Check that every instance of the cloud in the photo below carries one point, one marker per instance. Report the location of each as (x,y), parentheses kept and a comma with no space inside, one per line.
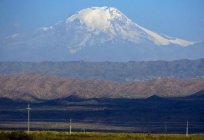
(46,28)
(16,25)
(13,36)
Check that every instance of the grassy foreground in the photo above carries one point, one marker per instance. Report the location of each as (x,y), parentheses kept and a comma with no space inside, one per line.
(50,135)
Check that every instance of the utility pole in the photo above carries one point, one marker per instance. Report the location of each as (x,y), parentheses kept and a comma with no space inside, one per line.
(165,127)
(187,128)
(28,108)
(70,126)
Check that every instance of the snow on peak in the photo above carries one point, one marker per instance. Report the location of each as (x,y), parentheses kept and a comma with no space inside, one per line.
(96,18)
(113,22)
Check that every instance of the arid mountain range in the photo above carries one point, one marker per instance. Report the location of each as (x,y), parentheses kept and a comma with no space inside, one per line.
(38,86)
(114,71)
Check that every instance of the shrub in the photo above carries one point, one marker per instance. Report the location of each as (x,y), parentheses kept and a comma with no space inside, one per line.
(20,135)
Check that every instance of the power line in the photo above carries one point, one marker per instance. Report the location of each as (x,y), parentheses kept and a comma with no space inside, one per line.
(165,127)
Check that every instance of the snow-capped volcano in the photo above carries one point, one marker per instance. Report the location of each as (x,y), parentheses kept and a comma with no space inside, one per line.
(115,24)
(97,34)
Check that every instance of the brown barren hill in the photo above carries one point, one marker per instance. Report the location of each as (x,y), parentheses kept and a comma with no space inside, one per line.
(31,86)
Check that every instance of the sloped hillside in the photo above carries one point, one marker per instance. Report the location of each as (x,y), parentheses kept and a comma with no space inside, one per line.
(35,86)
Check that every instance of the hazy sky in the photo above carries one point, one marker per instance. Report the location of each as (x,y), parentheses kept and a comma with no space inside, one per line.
(178,18)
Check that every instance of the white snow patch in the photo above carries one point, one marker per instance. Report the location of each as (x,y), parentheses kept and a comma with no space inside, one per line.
(95,18)
(182,42)
(159,40)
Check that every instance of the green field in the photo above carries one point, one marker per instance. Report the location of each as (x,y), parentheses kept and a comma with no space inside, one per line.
(51,135)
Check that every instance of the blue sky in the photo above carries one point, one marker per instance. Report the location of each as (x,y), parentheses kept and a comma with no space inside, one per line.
(178,18)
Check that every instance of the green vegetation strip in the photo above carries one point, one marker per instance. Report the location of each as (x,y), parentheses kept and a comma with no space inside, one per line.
(51,135)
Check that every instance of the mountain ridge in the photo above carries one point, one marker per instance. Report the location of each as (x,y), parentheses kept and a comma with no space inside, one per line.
(45,86)
(114,71)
